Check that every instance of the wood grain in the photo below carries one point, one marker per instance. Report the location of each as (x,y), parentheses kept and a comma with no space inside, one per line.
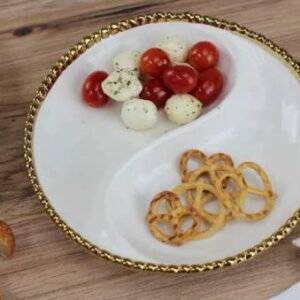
(47,265)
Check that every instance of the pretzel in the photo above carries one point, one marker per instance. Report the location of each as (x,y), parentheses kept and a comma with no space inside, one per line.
(189,189)
(207,174)
(211,181)
(230,198)
(211,171)
(207,197)
(214,221)
(203,159)
(267,193)
(220,158)
(175,216)
(170,200)
(201,194)
(186,156)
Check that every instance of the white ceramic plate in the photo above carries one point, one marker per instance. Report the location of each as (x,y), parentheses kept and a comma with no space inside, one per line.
(100,177)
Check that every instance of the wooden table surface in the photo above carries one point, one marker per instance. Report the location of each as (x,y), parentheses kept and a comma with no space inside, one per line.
(48,265)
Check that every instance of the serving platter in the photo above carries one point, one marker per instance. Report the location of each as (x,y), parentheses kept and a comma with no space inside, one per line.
(96,178)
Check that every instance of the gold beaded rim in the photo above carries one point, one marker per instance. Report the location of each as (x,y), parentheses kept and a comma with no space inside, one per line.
(80,48)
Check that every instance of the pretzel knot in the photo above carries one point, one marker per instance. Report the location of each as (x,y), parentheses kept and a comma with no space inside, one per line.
(202,160)
(210,174)
(215,179)
(267,193)
(213,221)
(175,214)
(187,156)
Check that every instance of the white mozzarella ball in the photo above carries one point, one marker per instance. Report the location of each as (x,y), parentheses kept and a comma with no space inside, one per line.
(175,47)
(139,114)
(122,86)
(127,60)
(183,108)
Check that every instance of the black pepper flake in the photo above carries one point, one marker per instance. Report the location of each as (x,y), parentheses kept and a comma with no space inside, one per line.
(128,82)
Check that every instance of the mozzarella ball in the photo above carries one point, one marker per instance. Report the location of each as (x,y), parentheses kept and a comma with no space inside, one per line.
(139,114)
(175,47)
(122,86)
(183,108)
(127,60)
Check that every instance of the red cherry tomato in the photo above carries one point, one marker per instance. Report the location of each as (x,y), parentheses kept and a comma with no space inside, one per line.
(92,92)
(154,62)
(180,79)
(154,90)
(209,87)
(203,55)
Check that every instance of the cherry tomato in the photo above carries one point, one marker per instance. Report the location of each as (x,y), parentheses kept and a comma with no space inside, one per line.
(203,55)
(154,90)
(209,87)
(92,92)
(154,62)
(180,79)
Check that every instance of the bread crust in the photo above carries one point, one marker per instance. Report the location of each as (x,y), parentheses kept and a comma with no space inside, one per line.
(7,240)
